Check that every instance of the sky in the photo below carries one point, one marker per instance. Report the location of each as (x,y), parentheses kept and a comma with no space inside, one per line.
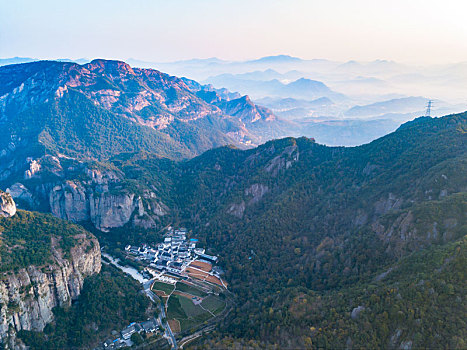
(409,31)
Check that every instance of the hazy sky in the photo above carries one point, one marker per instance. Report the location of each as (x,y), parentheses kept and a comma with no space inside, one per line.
(429,31)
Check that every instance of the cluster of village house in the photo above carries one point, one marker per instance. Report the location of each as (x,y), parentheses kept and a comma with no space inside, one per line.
(170,257)
(173,255)
(149,327)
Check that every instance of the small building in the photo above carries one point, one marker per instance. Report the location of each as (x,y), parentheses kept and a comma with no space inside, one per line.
(199,251)
(166,256)
(175,267)
(218,270)
(128,331)
(209,258)
(138,328)
(161,263)
(149,326)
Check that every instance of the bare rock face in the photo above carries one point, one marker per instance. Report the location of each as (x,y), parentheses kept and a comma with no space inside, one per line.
(285,160)
(29,295)
(356,312)
(257,191)
(109,211)
(385,205)
(89,194)
(105,209)
(19,192)
(7,205)
(237,209)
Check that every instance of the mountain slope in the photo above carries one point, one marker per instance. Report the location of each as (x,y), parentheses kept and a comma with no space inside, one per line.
(294,214)
(104,108)
(44,262)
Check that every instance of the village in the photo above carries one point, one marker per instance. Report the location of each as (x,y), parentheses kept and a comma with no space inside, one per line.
(176,257)
(182,279)
(124,338)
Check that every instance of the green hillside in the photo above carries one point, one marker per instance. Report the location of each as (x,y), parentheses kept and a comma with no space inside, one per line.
(26,239)
(326,221)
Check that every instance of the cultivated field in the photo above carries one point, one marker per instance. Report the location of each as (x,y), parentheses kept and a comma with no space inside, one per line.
(202,265)
(181,306)
(163,287)
(175,326)
(213,304)
(183,287)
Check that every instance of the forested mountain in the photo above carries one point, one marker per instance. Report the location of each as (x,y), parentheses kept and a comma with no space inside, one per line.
(333,246)
(103,108)
(328,246)
(306,230)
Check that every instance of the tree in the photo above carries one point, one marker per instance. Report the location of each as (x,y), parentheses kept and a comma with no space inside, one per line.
(137,338)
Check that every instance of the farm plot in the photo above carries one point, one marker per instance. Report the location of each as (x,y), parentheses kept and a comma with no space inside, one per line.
(175,326)
(202,265)
(186,312)
(189,289)
(214,304)
(163,287)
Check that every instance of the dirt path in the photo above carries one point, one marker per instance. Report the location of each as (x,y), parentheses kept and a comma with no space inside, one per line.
(206,310)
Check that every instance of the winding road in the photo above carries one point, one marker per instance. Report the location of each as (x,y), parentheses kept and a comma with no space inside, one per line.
(147,284)
(162,318)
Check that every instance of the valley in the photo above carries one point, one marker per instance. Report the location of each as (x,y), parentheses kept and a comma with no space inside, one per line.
(233,175)
(181,280)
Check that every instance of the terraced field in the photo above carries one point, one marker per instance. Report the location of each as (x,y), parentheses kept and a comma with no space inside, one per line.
(163,287)
(186,288)
(214,304)
(182,308)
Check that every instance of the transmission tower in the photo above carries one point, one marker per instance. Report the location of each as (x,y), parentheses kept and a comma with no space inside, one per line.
(428,108)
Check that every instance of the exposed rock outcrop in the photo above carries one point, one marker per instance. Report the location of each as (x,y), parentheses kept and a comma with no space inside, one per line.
(285,160)
(356,312)
(29,295)
(237,209)
(19,192)
(105,209)
(257,191)
(7,205)
(80,193)
(109,211)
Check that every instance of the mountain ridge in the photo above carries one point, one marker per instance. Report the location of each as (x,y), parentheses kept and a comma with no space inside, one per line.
(149,103)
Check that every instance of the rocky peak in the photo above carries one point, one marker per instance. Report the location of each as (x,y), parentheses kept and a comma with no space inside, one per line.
(109,67)
(244,109)
(7,205)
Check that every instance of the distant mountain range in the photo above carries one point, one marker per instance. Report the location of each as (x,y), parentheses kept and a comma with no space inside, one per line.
(307,97)
(399,105)
(301,88)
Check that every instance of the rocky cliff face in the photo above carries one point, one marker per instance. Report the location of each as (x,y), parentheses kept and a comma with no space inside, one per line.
(28,296)
(7,205)
(106,209)
(79,193)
